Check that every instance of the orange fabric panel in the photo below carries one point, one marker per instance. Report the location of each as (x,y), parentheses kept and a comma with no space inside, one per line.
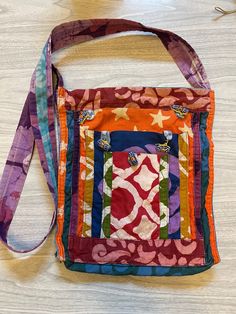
(61,182)
(129,119)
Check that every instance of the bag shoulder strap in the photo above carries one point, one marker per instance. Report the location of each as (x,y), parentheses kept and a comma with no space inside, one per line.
(38,121)
(182,53)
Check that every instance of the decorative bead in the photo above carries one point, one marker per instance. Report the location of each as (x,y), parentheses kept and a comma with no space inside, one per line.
(104,141)
(168,135)
(132,159)
(180,111)
(85,115)
(165,148)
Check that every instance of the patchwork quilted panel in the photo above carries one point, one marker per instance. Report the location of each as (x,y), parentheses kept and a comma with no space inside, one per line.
(142,202)
(138,188)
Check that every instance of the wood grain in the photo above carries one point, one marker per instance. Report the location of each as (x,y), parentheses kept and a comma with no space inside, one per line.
(37,282)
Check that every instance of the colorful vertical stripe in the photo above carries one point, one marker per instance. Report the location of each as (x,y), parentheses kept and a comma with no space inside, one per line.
(164,190)
(197,174)
(184,204)
(69,167)
(107,189)
(61,183)
(42,114)
(174,199)
(82,174)
(191,188)
(89,182)
(98,187)
(75,177)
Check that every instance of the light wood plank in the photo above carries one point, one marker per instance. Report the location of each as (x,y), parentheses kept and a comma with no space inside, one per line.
(38,283)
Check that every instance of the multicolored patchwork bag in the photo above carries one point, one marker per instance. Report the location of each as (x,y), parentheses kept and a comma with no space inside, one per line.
(130,169)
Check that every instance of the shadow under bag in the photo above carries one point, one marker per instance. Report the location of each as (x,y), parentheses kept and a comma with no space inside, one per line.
(130,169)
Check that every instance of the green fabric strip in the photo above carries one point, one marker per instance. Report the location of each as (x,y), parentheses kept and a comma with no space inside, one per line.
(107,190)
(164,192)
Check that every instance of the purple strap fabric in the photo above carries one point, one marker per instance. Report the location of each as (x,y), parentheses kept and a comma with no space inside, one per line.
(183,54)
(29,130)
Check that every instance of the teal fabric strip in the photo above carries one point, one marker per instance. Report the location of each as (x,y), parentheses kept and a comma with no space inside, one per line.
(118,270)
(42,113)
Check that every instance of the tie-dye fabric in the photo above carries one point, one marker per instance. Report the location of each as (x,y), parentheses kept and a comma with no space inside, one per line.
(130,169)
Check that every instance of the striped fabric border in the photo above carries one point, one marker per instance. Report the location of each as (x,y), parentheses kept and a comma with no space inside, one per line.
(164,209)
(89,183)
(107,189)
(82,174)
(174,199)
(61,182)
(184,203)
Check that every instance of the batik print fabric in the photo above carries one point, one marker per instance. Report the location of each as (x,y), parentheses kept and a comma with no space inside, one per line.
(118,235)
(138,142)
(106,196)
(89,180)
(135,213)
(127,206)
(184,210)
(178,232)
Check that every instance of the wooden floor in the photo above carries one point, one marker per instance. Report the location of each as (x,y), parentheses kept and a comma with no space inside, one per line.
(37,282)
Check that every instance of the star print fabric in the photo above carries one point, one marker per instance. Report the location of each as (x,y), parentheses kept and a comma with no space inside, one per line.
(130,119)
